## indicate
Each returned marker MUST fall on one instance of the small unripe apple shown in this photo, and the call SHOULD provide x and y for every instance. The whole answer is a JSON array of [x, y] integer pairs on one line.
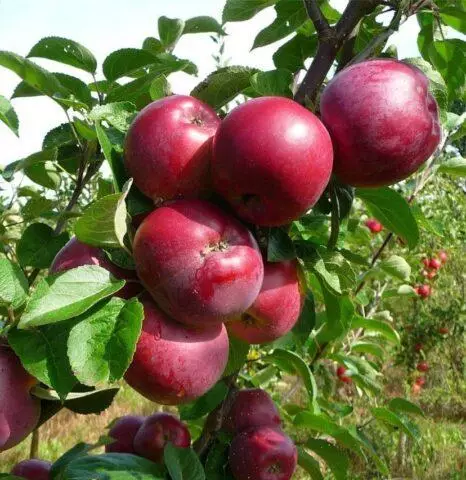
[[434, 264], [168, 148], [33, 469], [199, 264], [156, 431], [373, 225], [443, 256], [76, 254], [123, 431], [420, 381], [444, 330], [422, 366], [272, 159], [423, 291], [174, 363], [251, 408], [262, 453], [276, 309], [383, 121], [19, 411]]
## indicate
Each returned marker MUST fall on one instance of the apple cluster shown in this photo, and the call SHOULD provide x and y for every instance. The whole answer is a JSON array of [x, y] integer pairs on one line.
[[431, 268], [343, 374]]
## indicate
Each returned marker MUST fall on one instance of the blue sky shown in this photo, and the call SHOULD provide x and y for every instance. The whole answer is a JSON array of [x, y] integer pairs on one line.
[[107, 25]]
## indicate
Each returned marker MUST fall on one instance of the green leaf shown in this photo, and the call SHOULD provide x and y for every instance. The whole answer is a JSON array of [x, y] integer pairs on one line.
[[13, 284], [122, 62], [79, 450], [44, 174], [103, 224], [37, 206], [216, 464], [290, 15], [392, 210], [295, 363], [377, 326], [397, 267], [309, 464], [43, 353], [205, 404], [454, 166], [183, 463], [368, 347], [279, 246], [57, 137], [35, 76], [68, 294], [403, 405], [170, 31], [273, 83], [223, 85], [239, 10], [112, 466], [335, 458], [306, 321], [238, 352], [65, 51], [118, 114], [264, 376], [80, 93], [202, 24], [36, 158], [396, 420], [292, 54], [454, 17], [159, 88], [103, 340], [8, 115], [39, 245]]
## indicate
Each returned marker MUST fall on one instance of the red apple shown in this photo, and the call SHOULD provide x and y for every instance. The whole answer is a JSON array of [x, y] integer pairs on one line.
[[444, 330], [19, 411], [272, 159], [275, 310], [373, 225], [262, 453], [123, 431], [174, 363], [423, 291], [341, 370], [434, 264], [156, 431], [422, 366], [420, 381], [251, 408], [432, 274], [383, 121], [443, 255], [168, 147], [426, 262], [33, 469], [418, 347], [346, 379], [76, 254], [200, 265]]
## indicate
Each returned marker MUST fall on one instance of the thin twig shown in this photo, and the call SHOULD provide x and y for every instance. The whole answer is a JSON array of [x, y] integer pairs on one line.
[[321, 24]]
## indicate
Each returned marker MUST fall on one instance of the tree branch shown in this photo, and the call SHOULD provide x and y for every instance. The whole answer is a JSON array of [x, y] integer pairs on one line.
[[321, 24], [330, 42]]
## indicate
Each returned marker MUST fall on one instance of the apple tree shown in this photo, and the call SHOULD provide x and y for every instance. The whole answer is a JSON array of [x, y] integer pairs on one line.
[[231, 252]]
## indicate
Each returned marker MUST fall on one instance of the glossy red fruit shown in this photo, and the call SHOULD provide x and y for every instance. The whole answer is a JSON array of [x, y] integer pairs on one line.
[[199, 264], [156, 431], [276, 309], [123, 431], [346, 379], [33, 469], [252, 408], [434, 264], [422, 367], [418, 347], [426, 262], [272, 160], [76, 254], [168, 148], [19, 411], [420, 381], [262, 453], [373, 225], [174, 363], [423, 291], [341, 370], [444, 330], [383, 121], [443, 255]]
